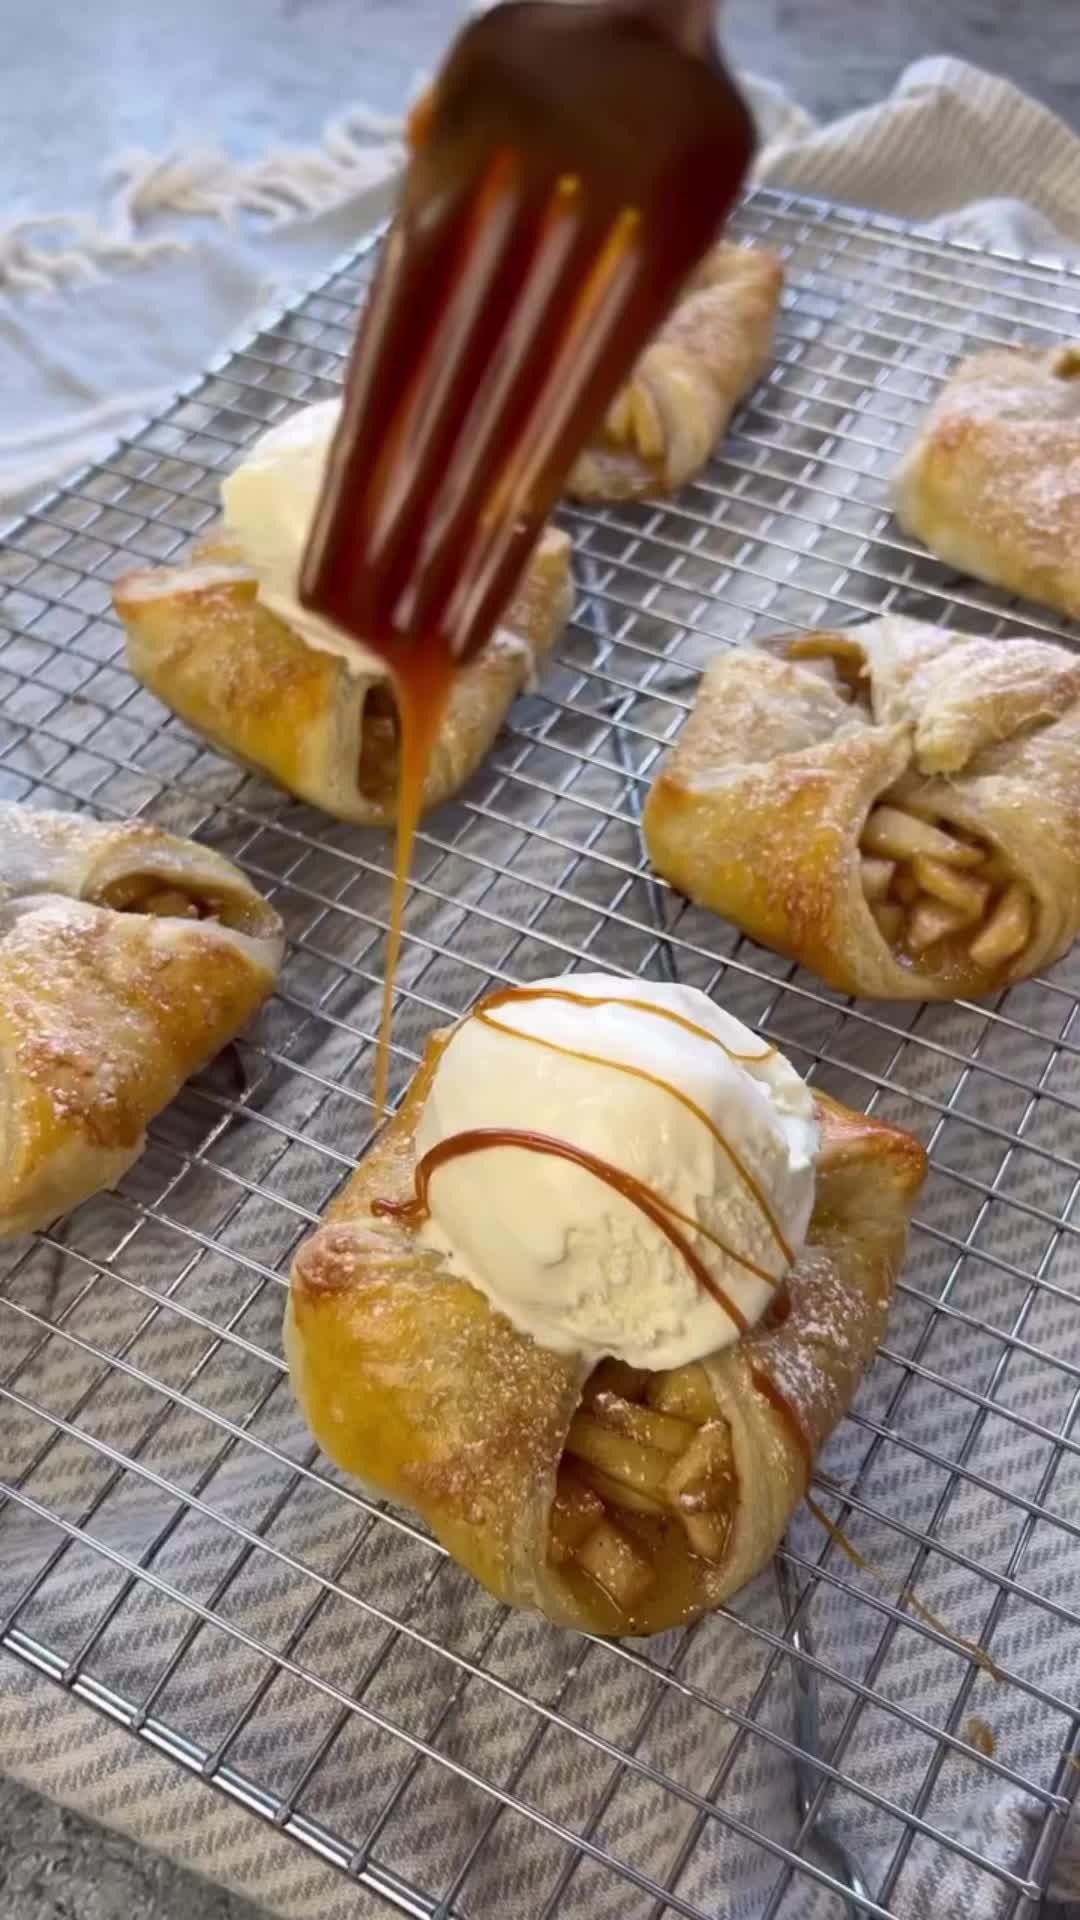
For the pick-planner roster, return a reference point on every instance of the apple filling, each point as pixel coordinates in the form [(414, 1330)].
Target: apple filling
[(634, 421), (645, 1452), (153, 894), (161, 896), (926, 883)]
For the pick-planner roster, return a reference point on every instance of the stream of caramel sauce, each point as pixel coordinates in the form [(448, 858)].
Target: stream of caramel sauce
[(423, 696), (568, 170)]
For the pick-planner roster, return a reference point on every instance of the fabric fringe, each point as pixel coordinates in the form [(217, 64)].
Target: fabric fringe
[(42, 253), (1014, 157)]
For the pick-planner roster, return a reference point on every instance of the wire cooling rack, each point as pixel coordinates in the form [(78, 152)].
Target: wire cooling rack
[(172, 1548)]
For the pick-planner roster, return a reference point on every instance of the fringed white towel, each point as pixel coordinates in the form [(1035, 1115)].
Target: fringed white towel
[(44, 253), (102, 316), (193, 244), (952, 146)]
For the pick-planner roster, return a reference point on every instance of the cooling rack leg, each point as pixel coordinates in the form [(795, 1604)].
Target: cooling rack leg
[(807, 1734)]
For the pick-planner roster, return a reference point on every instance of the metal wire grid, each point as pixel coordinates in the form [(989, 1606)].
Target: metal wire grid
[(172, 1549)]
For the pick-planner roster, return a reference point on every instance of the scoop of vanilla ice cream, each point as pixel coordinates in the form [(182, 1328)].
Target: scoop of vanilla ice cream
[(268, 504), (565, 1256)]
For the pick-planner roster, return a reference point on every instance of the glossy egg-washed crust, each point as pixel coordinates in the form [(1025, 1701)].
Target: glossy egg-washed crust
[(990, 481), (759, 811), (710, 353), (411, 1380), (104, 1013), (200, 638)]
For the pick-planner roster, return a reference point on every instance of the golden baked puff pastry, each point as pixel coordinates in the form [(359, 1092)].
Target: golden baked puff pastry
[(203, 640), (895, 806), (128, 959), (666, 422), (612, 1498), (990, 483)]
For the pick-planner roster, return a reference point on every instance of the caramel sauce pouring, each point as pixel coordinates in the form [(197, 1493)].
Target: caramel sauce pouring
[(568, 172)]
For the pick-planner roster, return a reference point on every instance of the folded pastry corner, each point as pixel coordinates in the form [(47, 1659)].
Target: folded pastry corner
[(896, 806), (615, 1497), (128, 959), (666, 421), (224, 642), (202, 640), (989, 482)]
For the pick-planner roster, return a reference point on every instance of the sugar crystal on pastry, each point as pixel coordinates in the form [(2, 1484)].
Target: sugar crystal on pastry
[(896, 805), (613, 1495), (991, 479)]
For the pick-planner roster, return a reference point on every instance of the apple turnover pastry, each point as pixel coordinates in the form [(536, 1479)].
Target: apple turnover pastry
[(224, 642), (895, 806), (597, 1296), (666, 422), (128, 959), (991, 483)]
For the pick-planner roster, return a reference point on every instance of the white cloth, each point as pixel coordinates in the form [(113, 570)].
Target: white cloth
[(86, 364), (951, 146), (103, 317)]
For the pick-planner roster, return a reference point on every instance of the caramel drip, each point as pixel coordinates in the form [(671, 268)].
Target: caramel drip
[(656, 1209), (924, 1613), (422, 699), (503, 996), (508, 994), (980, 1735)]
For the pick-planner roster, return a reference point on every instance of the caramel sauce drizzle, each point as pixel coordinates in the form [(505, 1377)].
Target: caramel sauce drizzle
[(422, 700), (978, 1654), (662, 1214), (506, 995)]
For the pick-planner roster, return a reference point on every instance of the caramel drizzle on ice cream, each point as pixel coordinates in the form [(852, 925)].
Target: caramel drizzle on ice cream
[(660, 1211), (662, 1214), (506, 995), (503, 996)]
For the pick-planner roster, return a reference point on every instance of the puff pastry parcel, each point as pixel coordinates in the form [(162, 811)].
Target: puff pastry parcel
[(991, 483), (201, 640), (411, 1380), (128, 958), (895, 806), (665, 423)]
